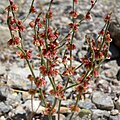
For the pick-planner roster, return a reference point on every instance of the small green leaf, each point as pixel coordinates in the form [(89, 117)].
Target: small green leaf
[(84, 112)]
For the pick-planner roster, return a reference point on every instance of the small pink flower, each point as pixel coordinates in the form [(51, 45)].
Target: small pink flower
[(73, 14), (32, 24), (33, 9), (75, 1), (88, 16)]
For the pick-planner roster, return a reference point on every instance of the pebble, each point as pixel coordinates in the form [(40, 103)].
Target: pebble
[(102, 101), (27, 106), (2, 118), (4, 108), (114, 112), (98, 114), (17, 78), (62, 117), (87, 104), (117, 104), (19, 110), (117, 117), (4, 35)]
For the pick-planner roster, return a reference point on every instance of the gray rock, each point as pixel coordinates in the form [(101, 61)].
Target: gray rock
[(5, 91), (13, 99), (102, 101), (114, 117), (76, 117), (114, 30), (66, 103), (17, 78), (116, 89), (19, 110), (104, 85), (2, 118), (19, 117), (4, 35), (36, 103), (4, 108), (117, 104), (2, 69), (2, 97), (86, 104), (114, 112), (62, 117), (114, 51), (100, 114)]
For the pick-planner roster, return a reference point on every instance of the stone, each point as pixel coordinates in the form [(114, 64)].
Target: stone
[(4, 108), (17, 78), (64, 110), (2, 97), (117, 104), (87, 104), (13, 99), (109, 74), (103, 85), (4, 35), (36, 103), (19, 110), (114, 51), (66, 103), (116, 89), (62, 117), (2, 69), (25, 95), (5, 91), (114, 30), (100, 114), (115, 82), (102, 101), (76, 116), (45, 117), (19, 117), (117, 117), (114, 112), (2, 118)]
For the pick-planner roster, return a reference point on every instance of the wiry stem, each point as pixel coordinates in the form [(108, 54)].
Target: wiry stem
[(78, 97)]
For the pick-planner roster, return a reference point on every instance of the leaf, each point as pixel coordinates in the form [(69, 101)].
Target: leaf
[(84, 112)]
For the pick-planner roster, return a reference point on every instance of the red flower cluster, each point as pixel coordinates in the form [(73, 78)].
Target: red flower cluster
[(48, 110), (74, 26), (58, 93), (15, 24), (51, 71), (88, 16), (33, 9), (70, 71), (107, 18), (12, 6), (40, 82), (50, 14), (71, 46), (73, 14), (14, 41), (25, 55), (82, 87)]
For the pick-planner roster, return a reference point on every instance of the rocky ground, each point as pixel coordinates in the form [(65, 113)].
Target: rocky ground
[(102, 101)]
